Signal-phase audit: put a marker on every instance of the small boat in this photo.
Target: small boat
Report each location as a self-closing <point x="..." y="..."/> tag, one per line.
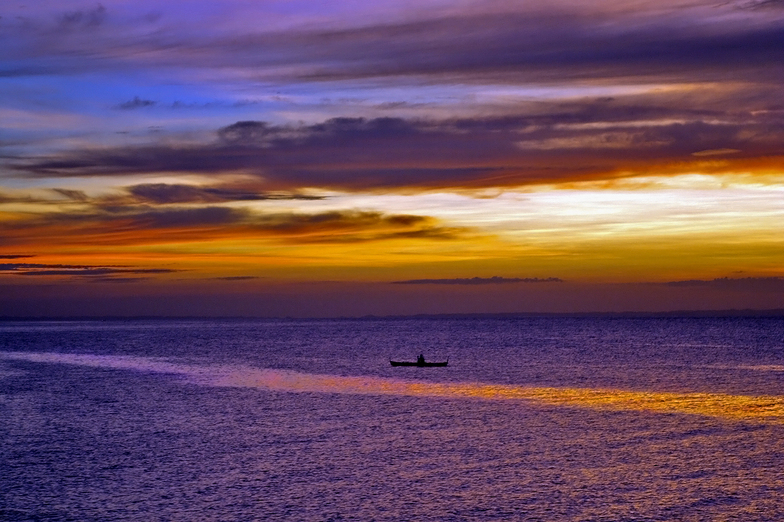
<point x="420" y="362"/>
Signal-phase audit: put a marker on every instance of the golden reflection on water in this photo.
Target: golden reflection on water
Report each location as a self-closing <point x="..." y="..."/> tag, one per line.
<point x="741" y="407"/>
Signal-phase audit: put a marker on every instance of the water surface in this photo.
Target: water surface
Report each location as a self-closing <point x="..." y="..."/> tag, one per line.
<point x="534" y="419"/>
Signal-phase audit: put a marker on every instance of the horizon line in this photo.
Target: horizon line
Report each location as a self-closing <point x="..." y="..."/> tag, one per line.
<point x="749" y="313"/>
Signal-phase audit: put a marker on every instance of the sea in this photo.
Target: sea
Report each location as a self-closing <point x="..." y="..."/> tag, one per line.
<point x="534" y="419"/>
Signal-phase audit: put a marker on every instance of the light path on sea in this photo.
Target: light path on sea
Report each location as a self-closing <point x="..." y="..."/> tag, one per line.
<point x="766" y="408"/>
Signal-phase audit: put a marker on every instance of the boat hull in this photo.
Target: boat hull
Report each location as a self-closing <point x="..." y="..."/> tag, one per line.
<point x="419" y="364"/>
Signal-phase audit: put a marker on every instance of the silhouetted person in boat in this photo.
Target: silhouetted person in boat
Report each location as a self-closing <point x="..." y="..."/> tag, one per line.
<point x="421" y="359"/>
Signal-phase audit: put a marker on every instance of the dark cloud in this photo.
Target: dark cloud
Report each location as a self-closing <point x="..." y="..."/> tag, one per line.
<point x="136" y="103"/>
<point x="246" y="132"/>
<point x="148" y="225"/>
<point x="495" y="280"/>
<point x="727" y="283"/>
<point x="93" y="271"/>
<point x="15" y="256"/>
<point x="124" y="224"/>
<point x="187" y="217"/>
<point x="354" y="227"/>
<point x="553" y="141"/>
<point x="74" y="195"/>
<point x="340" y="130"/>
<point x="761" y="4"/>
<point x="83" y="19"/>
<point x="236" y="278"/>
<point x="524" y="44"/>
<point x="7" y="198"/>
<point x="171" y="193"/>
<point x="163" y="193"/>
<point x="80" y="271"/>
<point x="532" y="46"/>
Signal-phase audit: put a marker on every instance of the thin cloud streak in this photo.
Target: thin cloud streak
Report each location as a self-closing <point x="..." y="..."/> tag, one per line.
<point x="166" y="193"/>
<point x="495" y="280"/>
<point x="772" y="284"/>
<point x="103" y="273"/>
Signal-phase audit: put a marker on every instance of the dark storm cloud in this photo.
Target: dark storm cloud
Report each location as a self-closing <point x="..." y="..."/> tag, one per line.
<point x="552" y="141"/>
<point x="495" y="280"/>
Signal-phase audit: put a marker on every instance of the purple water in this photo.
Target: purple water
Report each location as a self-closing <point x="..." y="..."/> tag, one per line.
<point x="534" y="419"/>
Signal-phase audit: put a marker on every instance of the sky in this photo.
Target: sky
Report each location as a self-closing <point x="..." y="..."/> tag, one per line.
<point x="318" y="159"/>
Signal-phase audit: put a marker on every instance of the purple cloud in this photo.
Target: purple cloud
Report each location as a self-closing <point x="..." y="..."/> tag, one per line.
<point x="136" y="103"/>
<point x="359" y="154"/>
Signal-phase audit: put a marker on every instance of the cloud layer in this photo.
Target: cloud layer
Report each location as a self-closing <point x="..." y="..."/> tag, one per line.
<point x="599" y="139"/>
<point x="560" y="42"/>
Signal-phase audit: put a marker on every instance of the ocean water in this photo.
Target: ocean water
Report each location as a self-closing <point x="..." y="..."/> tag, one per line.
<point x="539" y="419"/>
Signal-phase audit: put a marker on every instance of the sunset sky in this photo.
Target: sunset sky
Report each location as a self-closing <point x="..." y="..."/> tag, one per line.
<point x="312" y="159"/>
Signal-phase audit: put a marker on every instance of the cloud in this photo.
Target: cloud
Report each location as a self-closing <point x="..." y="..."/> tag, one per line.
<point x="163" y="193"/>
<point x="124" y="225"/>
<point x="548" y="46"/>
<point x="15" y="256"/>
<point x="80" y="271"/>
<point x="354" y="227"/>
<point x="73" y="195"/>
<point x="8" y="198"/>
<point x="518" y="42"/>
<point x="246" y="132"/>
<point x="143" y="224"/>
<point x="495" y="280"/>
<point x="182" y="217"/>
<point x="761" y="4"/>
<point x="520" y="45"/>
<point x="83" y="19"/>
<point x="136" y="103"/>
<point x="560" y="141"/>
<point x="715" y="152"/>
<point x="742" y="283"/>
